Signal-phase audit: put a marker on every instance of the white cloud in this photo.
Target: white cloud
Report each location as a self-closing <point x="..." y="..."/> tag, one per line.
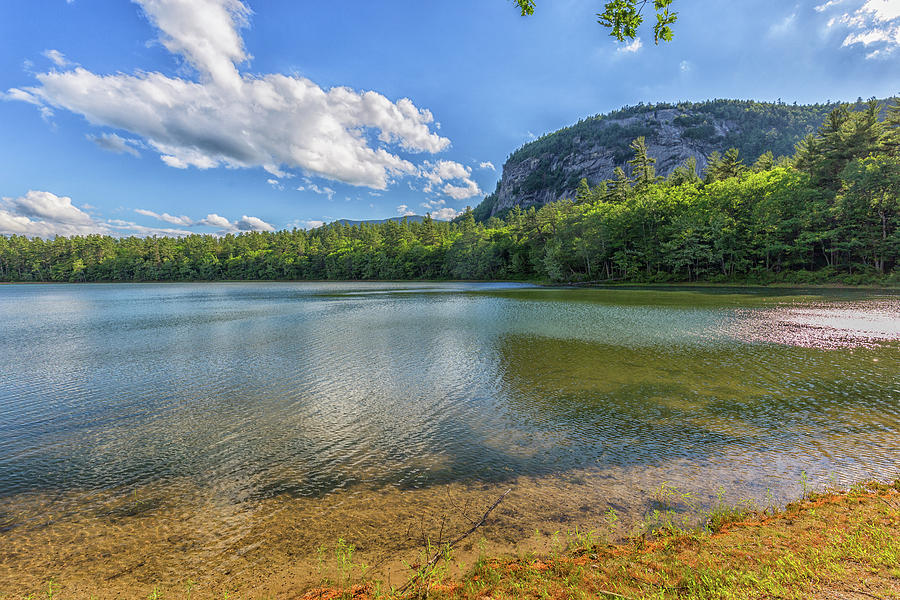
<point x="275" y="121"/>
<point x="114" y="143"/>
<point x="58" y="58"/>
<point x="882" y="10"/>
<point x="871" y="36"/>
<point x="439" y="175"/>
<point x="44" y="214"/>
<point x="311" y="187"/>
<point x="445" y="214"/>
<point x="310" y="224"/>
<point x="631" y="47"/>
<point x="403" y="211"/>
<point x="245" y="223"/>
<point x="130" y="228"/>
<point x="433" y="204"/>
<point x="827" y="5"/>
<point x="875" y="23"/>
<point x="685" y="66"/>
<point x="487" y="165"/>
<point x="214" y="220"/>
<point x="182" y="220"/>
<point x="461" y="192"/>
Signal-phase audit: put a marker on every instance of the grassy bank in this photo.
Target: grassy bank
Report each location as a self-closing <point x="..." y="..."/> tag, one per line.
<point x="832" y="545"/>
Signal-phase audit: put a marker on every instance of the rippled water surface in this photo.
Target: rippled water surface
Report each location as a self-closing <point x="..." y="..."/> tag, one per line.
<point x="207" y="425"/>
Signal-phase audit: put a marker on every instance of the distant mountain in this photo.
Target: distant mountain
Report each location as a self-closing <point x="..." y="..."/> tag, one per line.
<point x="410" y="218"/>
<point x="550" y="167"/>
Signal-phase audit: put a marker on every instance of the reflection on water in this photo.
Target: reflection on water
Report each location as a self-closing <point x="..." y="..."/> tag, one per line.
<point x="151" y="432"/>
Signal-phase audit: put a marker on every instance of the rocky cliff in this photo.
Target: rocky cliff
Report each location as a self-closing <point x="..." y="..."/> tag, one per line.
<point x="551" y="167"/>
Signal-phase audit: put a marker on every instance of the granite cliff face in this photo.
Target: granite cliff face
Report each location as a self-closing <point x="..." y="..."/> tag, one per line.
<point x="550" y="168"/>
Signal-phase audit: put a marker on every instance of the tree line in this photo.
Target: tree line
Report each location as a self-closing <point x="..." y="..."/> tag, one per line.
<point x="829" y="213"/>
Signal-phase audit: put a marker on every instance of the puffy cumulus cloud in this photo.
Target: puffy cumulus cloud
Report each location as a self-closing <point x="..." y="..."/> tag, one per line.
<point x="245" y="223"/>
<point x="487" y="165"/>
<point x="875" y="24"/>
<point x="49" y="207"/>
<point x="438" y="211"/>
<point x="44" y="214"/>
<point x="445" y="214"/>
<point x="450" y="178"/>
<point x="404" y="211"/>
<point x="274" y="121"/>
<point x="115" y="144"/>
<point x="461" y="192"/>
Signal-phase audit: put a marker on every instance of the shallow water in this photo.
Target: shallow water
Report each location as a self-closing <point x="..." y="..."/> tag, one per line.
<point x="223" y="432"/>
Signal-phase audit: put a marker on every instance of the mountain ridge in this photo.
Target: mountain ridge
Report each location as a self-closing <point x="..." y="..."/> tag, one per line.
<point x="549" y="168"/>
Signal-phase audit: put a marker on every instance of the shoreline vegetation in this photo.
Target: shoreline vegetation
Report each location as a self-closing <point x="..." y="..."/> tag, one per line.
<point x="887" y="285"/>
<point x="830" y="544"/>
<point x="828" y="215"/>
<point x="833" y="544"/>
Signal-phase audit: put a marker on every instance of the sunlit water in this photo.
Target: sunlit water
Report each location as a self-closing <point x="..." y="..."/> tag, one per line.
<point x="154" y="433"/>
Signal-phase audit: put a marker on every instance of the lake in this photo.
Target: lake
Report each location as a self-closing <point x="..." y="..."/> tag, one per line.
<point x="218" y="435"/>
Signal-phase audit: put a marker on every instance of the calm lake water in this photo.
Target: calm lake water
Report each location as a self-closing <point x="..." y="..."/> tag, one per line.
<point x="221" y="415"/>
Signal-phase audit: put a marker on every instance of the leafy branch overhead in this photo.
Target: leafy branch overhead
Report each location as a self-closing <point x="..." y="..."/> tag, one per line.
<point x="623" y="17"/>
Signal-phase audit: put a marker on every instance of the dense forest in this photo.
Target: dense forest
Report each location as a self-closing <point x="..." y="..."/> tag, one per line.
<point x="829" y="213"/>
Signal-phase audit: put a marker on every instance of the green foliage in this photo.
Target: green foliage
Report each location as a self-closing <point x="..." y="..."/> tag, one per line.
<point x="623" y="17"/>
<point x="832" y="217"/>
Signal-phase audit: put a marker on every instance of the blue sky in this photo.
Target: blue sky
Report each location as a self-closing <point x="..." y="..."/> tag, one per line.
<point x="175" y="116"/>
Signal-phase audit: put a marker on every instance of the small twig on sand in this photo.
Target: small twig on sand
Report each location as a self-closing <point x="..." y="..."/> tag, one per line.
<point x="452" y="543"/>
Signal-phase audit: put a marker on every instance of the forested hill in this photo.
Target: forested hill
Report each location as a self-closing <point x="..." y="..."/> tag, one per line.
<point x="550" y="167"/>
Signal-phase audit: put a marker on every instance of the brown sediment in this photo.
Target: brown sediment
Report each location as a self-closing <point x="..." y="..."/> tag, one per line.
<point x="196" y="545"/>
<point x="176" y="537"/>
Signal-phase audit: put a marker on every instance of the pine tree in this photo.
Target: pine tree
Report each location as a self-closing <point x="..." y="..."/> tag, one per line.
<point x="864" y="131"/>
<point x="892" y="128"/>
<point x="713" y="166"/>
<point x="832" y="147"/>
<point x="765" y="162"/>
<point x="583" y="194"/>
<point x="732" y="164"/>
<point x="618" y="189"/>
<point x="807" y="155"/>
<point x="642" y="169"/>
<point x="684" y="173"/>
